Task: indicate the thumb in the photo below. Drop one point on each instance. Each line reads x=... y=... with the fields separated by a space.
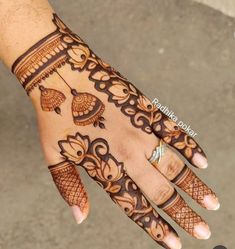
x=71 y=188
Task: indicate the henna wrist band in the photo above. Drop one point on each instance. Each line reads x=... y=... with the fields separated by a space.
x=41 y=60
x=45 y=58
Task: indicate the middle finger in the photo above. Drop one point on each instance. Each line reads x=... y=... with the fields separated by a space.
x=161 y=192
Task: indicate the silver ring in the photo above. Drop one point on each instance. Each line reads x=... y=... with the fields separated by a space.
x=158 y=153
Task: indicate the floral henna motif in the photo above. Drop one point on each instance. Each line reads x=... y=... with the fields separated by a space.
x=69 y=184
x=142 y=113
x=192 y=185
x=62 y=47
x=110 y=174
x=174 y=136
x=181 y=213
x=108 y=80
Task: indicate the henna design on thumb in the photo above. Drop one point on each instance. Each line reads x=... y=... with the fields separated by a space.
x=71 y=188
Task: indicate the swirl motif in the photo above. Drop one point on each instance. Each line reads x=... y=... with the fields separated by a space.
x=95 y=158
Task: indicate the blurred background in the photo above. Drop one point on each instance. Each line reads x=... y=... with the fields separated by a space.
x=181 y=52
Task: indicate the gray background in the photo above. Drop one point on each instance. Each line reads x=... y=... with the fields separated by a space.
x=179 y=51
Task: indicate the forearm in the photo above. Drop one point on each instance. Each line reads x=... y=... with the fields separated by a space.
x=22 y=24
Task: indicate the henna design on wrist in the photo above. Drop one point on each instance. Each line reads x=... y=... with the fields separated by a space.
x=44 y=59
x=69 y=184
x=188 y=181
x=181 y=213
x=95 y=158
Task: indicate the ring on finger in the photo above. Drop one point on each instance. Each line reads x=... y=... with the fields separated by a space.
x=158 y=153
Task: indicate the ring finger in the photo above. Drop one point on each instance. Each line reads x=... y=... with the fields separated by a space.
x=174 y=169
x=161 y=192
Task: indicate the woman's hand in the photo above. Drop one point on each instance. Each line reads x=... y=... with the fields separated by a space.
x=91 y=116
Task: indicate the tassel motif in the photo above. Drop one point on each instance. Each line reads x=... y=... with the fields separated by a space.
x=51 y=99
x=87 y=109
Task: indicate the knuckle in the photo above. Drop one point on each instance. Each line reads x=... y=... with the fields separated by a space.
x=170 y=165
x=124 y=152
x=163 y=194
x=172 y=170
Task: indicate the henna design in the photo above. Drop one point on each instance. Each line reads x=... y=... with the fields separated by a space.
x=174 y=136
x=51 y=99
x=181 y=213
x=192 y=185
x=69 y=184
x=63 y=46
x=41 y=60
x=95 y=158
x=87 y=109
x=142 y=113
x=33 y=67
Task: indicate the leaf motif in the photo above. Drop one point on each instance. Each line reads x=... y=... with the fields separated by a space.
x=132 y=88
x=144 y=201
x=130 y=111
x=114 y=189
x=167 y=139
x=92 y=173
x=101 y=75
x=188 y=152
x=158 y=127
x=179 y=145
x=192 y=143
x=157 y=117
x=92 y=65
x=89 y=166
x=68 y=39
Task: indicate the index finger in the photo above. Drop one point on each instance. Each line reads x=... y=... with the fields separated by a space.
x=173 y=135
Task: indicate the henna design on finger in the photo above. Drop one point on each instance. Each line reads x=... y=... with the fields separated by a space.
x=173 y=135
x=95 y=158
x=188 y=181
x=69 y=184
x=181 y=213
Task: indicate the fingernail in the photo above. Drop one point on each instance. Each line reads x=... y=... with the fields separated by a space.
x=78 y=215
x=172 y=241
x=202 y=231
x=211 y=202
x=200 y=161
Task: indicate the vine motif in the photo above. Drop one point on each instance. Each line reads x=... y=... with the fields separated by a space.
x=95 y=158
x=107 y=79
x=142 y=113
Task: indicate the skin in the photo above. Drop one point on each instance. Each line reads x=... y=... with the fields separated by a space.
x=88 y=117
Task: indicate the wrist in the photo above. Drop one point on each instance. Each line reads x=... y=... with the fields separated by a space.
x=22 y=24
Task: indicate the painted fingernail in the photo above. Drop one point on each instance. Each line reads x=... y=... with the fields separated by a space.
x=202 y=231
x=200 y=161
x=172 y=241
x=211 y=202
x=78 y=215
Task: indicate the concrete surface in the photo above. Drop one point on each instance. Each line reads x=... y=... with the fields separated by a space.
x=225 y=6
x=177 y=50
